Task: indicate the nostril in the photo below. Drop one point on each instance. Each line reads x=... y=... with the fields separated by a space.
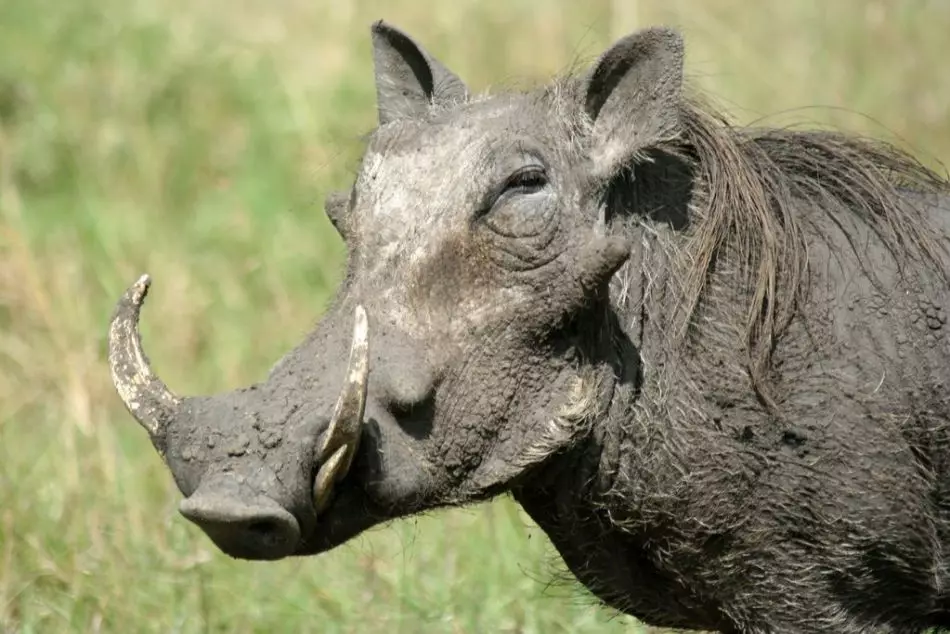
x=262 y=527
x=267 y=532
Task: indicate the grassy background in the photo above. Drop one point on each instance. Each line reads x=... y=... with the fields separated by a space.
x=196 y=141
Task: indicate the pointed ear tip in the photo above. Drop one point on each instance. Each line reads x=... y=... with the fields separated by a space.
x=667 y=31
x=667 y=37
x=382 y=28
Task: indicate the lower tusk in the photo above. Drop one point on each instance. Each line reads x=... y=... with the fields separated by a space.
x=329 y=474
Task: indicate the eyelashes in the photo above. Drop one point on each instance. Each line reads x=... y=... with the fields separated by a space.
x=527 y=180
x=524 y=181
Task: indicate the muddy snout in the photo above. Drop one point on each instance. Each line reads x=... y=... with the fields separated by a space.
x=241 y=522
x=235 y=508
x=255 y=483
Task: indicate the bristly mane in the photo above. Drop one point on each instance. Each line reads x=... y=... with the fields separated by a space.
x=751 y=184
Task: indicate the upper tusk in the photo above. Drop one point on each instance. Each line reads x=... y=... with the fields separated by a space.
x=145 y=396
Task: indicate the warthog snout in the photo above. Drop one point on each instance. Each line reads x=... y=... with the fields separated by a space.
x=256 y=468
x=239 y=523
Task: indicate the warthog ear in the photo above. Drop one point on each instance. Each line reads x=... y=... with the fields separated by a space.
x=632 y=96
x=409 y=79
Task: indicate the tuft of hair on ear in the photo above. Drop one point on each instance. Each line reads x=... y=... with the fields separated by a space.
x=632 y=96
x=408 y=79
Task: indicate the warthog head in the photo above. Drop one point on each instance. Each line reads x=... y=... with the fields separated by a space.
x=470 y=346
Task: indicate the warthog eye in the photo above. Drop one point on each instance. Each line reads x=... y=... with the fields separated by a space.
x=514 y=208
x=527 y=180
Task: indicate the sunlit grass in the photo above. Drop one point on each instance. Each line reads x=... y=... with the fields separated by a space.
x=196 y=141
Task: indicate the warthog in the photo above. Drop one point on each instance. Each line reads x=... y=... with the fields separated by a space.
x=710 y=362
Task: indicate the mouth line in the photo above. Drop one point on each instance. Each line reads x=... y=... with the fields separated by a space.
x=337 y=523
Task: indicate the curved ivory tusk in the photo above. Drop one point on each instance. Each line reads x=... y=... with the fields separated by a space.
x=146 y=397
x=343 y=434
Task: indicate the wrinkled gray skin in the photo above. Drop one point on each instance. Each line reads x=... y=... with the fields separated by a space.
x=519 y=334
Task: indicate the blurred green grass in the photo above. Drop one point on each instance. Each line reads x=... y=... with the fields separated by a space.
x=196 y=141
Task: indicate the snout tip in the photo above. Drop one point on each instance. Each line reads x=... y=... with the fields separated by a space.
x=259 y=530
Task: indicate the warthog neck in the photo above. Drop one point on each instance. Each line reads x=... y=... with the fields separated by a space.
x=608 y=504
